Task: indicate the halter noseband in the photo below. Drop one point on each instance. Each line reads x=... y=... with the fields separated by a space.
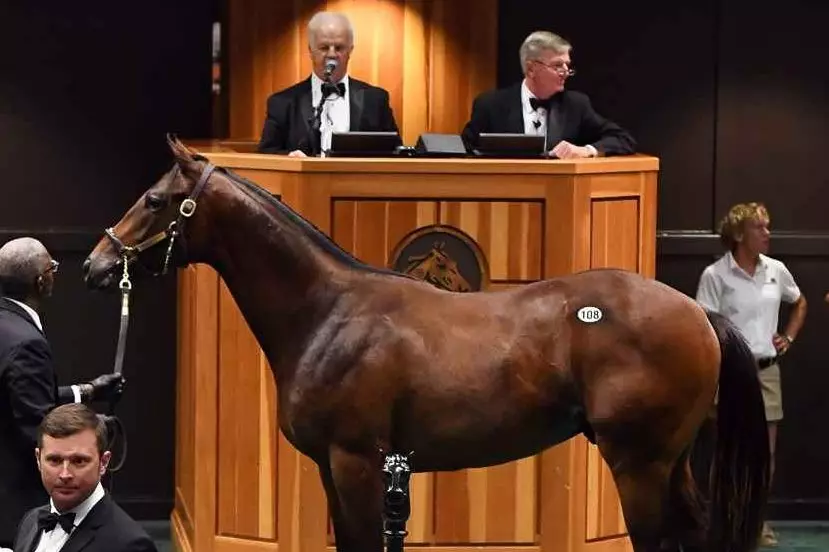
x=129 y=253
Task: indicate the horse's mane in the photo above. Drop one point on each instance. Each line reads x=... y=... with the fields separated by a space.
x=306 y=227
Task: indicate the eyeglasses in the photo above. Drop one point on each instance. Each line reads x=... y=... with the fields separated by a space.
x=559 y=67
x=53 y=268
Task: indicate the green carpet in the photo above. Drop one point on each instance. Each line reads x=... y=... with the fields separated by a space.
x=794 y=536
x=801 y=536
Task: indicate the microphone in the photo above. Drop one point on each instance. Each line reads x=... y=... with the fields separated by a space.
x=330 y=67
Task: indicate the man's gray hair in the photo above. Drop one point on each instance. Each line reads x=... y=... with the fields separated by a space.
x=21 y=262
x=541 y=41
x=321 y=19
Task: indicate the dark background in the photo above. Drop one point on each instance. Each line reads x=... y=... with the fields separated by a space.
x=87 y=93
x=730 y=96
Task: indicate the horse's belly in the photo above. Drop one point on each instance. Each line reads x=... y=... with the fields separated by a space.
x=485 y=442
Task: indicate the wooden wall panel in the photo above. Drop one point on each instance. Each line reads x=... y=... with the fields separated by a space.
x=614 y=237
x=513 y=249
x=615 y=233
x=247 y=429
x=185 y=489
x=433 y=56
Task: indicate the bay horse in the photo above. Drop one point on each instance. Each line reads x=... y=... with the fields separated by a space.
x=366 y=360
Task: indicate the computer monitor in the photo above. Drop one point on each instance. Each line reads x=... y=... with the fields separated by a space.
x=498 y=144
x=364 y=144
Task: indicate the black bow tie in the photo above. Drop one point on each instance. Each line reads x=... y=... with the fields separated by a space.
x=535 y=103
x=46 y=521
x=329 y=88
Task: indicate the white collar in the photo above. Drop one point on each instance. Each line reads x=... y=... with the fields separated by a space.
x=526 y=94
x=83 y=509
x=30 y=311
x=316 y=83
x=762 y=263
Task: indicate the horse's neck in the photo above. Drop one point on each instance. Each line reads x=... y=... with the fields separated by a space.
x=282 y=284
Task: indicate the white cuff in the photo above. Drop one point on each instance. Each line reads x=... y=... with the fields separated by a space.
x=76 y=391
x=593 y=151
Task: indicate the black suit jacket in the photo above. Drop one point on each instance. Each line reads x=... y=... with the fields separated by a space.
x=290 y=114
x=107 y=528
x=571 y=118
x=28 y=391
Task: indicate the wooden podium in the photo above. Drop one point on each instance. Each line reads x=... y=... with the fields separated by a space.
x=240 y=486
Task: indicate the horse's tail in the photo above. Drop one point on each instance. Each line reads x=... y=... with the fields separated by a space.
x=740 y=471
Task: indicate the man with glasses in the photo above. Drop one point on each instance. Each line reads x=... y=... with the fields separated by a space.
x=541 y=106
x=28 y=386
x=343 y=103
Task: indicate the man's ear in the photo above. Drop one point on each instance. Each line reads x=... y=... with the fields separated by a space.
x=105 y=458
x=37 y=457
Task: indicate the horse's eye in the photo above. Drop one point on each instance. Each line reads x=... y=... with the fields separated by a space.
x=154 y=202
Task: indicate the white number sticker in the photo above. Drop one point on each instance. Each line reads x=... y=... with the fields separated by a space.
x=589 y=315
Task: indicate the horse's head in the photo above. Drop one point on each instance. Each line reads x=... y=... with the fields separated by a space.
x=439 y=269
x=154 y=223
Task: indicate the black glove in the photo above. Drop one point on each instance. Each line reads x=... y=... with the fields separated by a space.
x=104 y=387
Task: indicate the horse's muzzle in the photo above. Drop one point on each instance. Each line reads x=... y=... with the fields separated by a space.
x=95 y=278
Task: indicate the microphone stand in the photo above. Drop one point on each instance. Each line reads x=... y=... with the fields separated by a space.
x=316 y=122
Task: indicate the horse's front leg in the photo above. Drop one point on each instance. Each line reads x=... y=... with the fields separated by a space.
x=356 y=482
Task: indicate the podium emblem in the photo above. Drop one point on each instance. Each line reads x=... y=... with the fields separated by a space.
x=445 y=256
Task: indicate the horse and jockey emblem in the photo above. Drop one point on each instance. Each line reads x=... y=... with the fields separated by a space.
x=444 y=256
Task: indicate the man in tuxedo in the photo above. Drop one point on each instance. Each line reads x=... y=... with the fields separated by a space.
x=348 y=104
x=540 y=105
x=28 y=388
x=72 y=457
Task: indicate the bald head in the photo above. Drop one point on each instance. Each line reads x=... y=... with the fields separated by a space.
x=329 y=21
x=21 y=262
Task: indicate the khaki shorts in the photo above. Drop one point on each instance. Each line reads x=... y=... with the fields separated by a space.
x=772 y=393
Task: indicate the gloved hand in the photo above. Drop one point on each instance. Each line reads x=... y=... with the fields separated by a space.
x=104 y=387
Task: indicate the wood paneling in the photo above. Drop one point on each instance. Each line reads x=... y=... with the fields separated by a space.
x=248 y=427
x=433 y=56
x=615 y=234
x=509 y=233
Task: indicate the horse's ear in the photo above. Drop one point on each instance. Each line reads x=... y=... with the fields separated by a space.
x=181 y=152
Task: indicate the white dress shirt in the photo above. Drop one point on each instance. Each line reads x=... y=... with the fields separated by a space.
x=752 y=303
x=336 y=112
x=53 y=541
x=535 y=120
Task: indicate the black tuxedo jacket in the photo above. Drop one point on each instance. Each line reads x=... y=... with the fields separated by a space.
x=290 y=114
x=571 y=117
x=107 y=528
x=28 y=391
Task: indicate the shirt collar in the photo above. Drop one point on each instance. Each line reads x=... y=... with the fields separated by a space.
x=83 y=509
x=732 y=263
x=316 y=83
x=525 y=97
x=30 y=311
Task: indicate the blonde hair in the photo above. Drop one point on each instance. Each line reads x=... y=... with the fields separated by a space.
x=733 y=224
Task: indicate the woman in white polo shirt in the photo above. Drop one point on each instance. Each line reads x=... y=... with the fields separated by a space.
x=747 y=287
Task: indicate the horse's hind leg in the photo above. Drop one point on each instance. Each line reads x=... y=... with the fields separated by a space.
x=643 y=491
x=356 y=483
x=687 y=518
